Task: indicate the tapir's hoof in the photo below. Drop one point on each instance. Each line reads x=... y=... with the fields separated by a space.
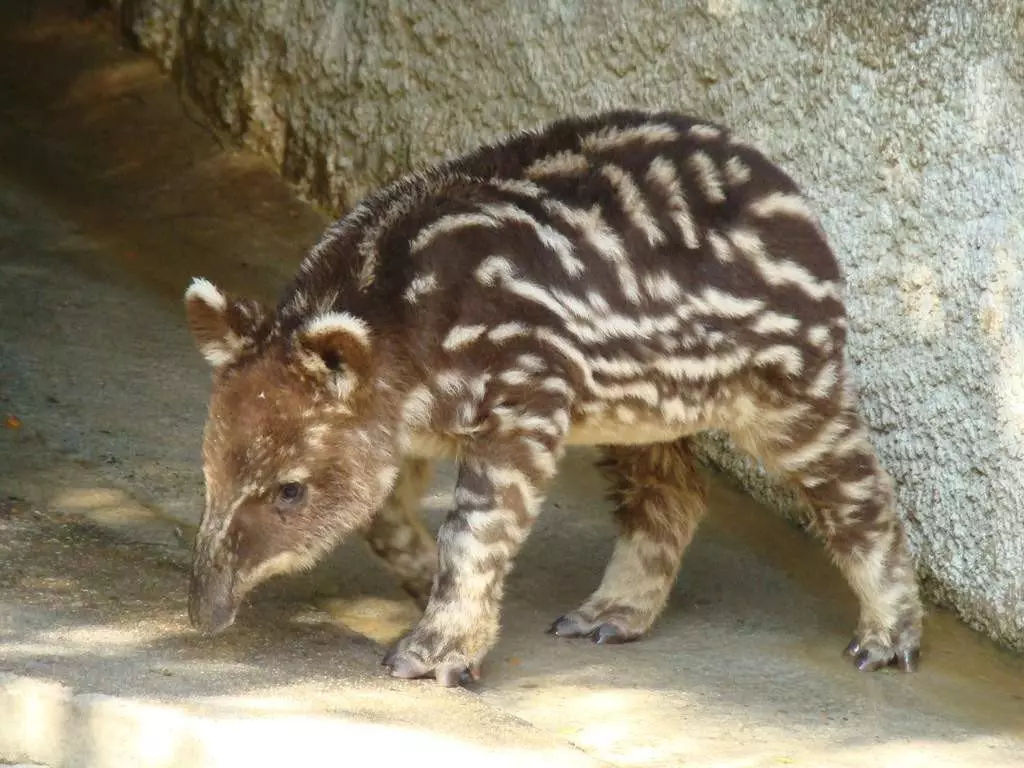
x=867 y=657
x=568 y=626
x=602 y=633
x=609 y=634
x=407 y=666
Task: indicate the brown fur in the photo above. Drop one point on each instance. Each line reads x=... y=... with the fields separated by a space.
x=627 y=280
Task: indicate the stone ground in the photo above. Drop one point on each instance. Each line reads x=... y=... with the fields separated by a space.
x=111 y=197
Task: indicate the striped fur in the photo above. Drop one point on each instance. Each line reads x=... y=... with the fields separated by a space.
x=627 y=279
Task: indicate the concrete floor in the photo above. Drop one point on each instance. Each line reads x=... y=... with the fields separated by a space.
x=111 y=198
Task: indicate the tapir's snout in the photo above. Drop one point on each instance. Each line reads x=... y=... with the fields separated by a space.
x=212 y=603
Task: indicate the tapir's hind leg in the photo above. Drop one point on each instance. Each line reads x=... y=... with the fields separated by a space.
x=827 y=454
x=660 y=500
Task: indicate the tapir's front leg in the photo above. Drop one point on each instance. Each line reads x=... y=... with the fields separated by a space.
x=497 y=498
x=397 y=534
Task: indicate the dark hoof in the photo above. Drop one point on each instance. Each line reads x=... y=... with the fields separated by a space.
x=609 y=634
x=408 y=667
x=451 y=676
x=868 y=658
x=568 y=626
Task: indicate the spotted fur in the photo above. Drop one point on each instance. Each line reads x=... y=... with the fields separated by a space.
x=626 y=280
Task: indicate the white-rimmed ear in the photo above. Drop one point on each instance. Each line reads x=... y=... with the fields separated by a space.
x=222 y=326
x=338 y=347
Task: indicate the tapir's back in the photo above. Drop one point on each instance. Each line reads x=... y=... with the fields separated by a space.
x=655 y=256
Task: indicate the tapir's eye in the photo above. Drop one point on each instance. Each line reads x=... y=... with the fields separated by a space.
x=291 y=493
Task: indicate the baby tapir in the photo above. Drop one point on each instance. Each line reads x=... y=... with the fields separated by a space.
x=623 y=280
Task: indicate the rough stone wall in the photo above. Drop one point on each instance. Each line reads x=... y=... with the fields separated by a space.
x=901 y=120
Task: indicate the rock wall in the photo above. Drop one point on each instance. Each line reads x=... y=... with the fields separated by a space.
x=902 y=123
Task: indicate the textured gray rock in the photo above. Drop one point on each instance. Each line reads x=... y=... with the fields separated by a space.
x=902 y=123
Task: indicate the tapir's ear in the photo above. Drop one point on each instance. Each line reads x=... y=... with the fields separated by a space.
x=337 y=346
x=221 y=326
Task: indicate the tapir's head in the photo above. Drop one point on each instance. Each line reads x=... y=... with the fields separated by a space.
x=296 y=451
